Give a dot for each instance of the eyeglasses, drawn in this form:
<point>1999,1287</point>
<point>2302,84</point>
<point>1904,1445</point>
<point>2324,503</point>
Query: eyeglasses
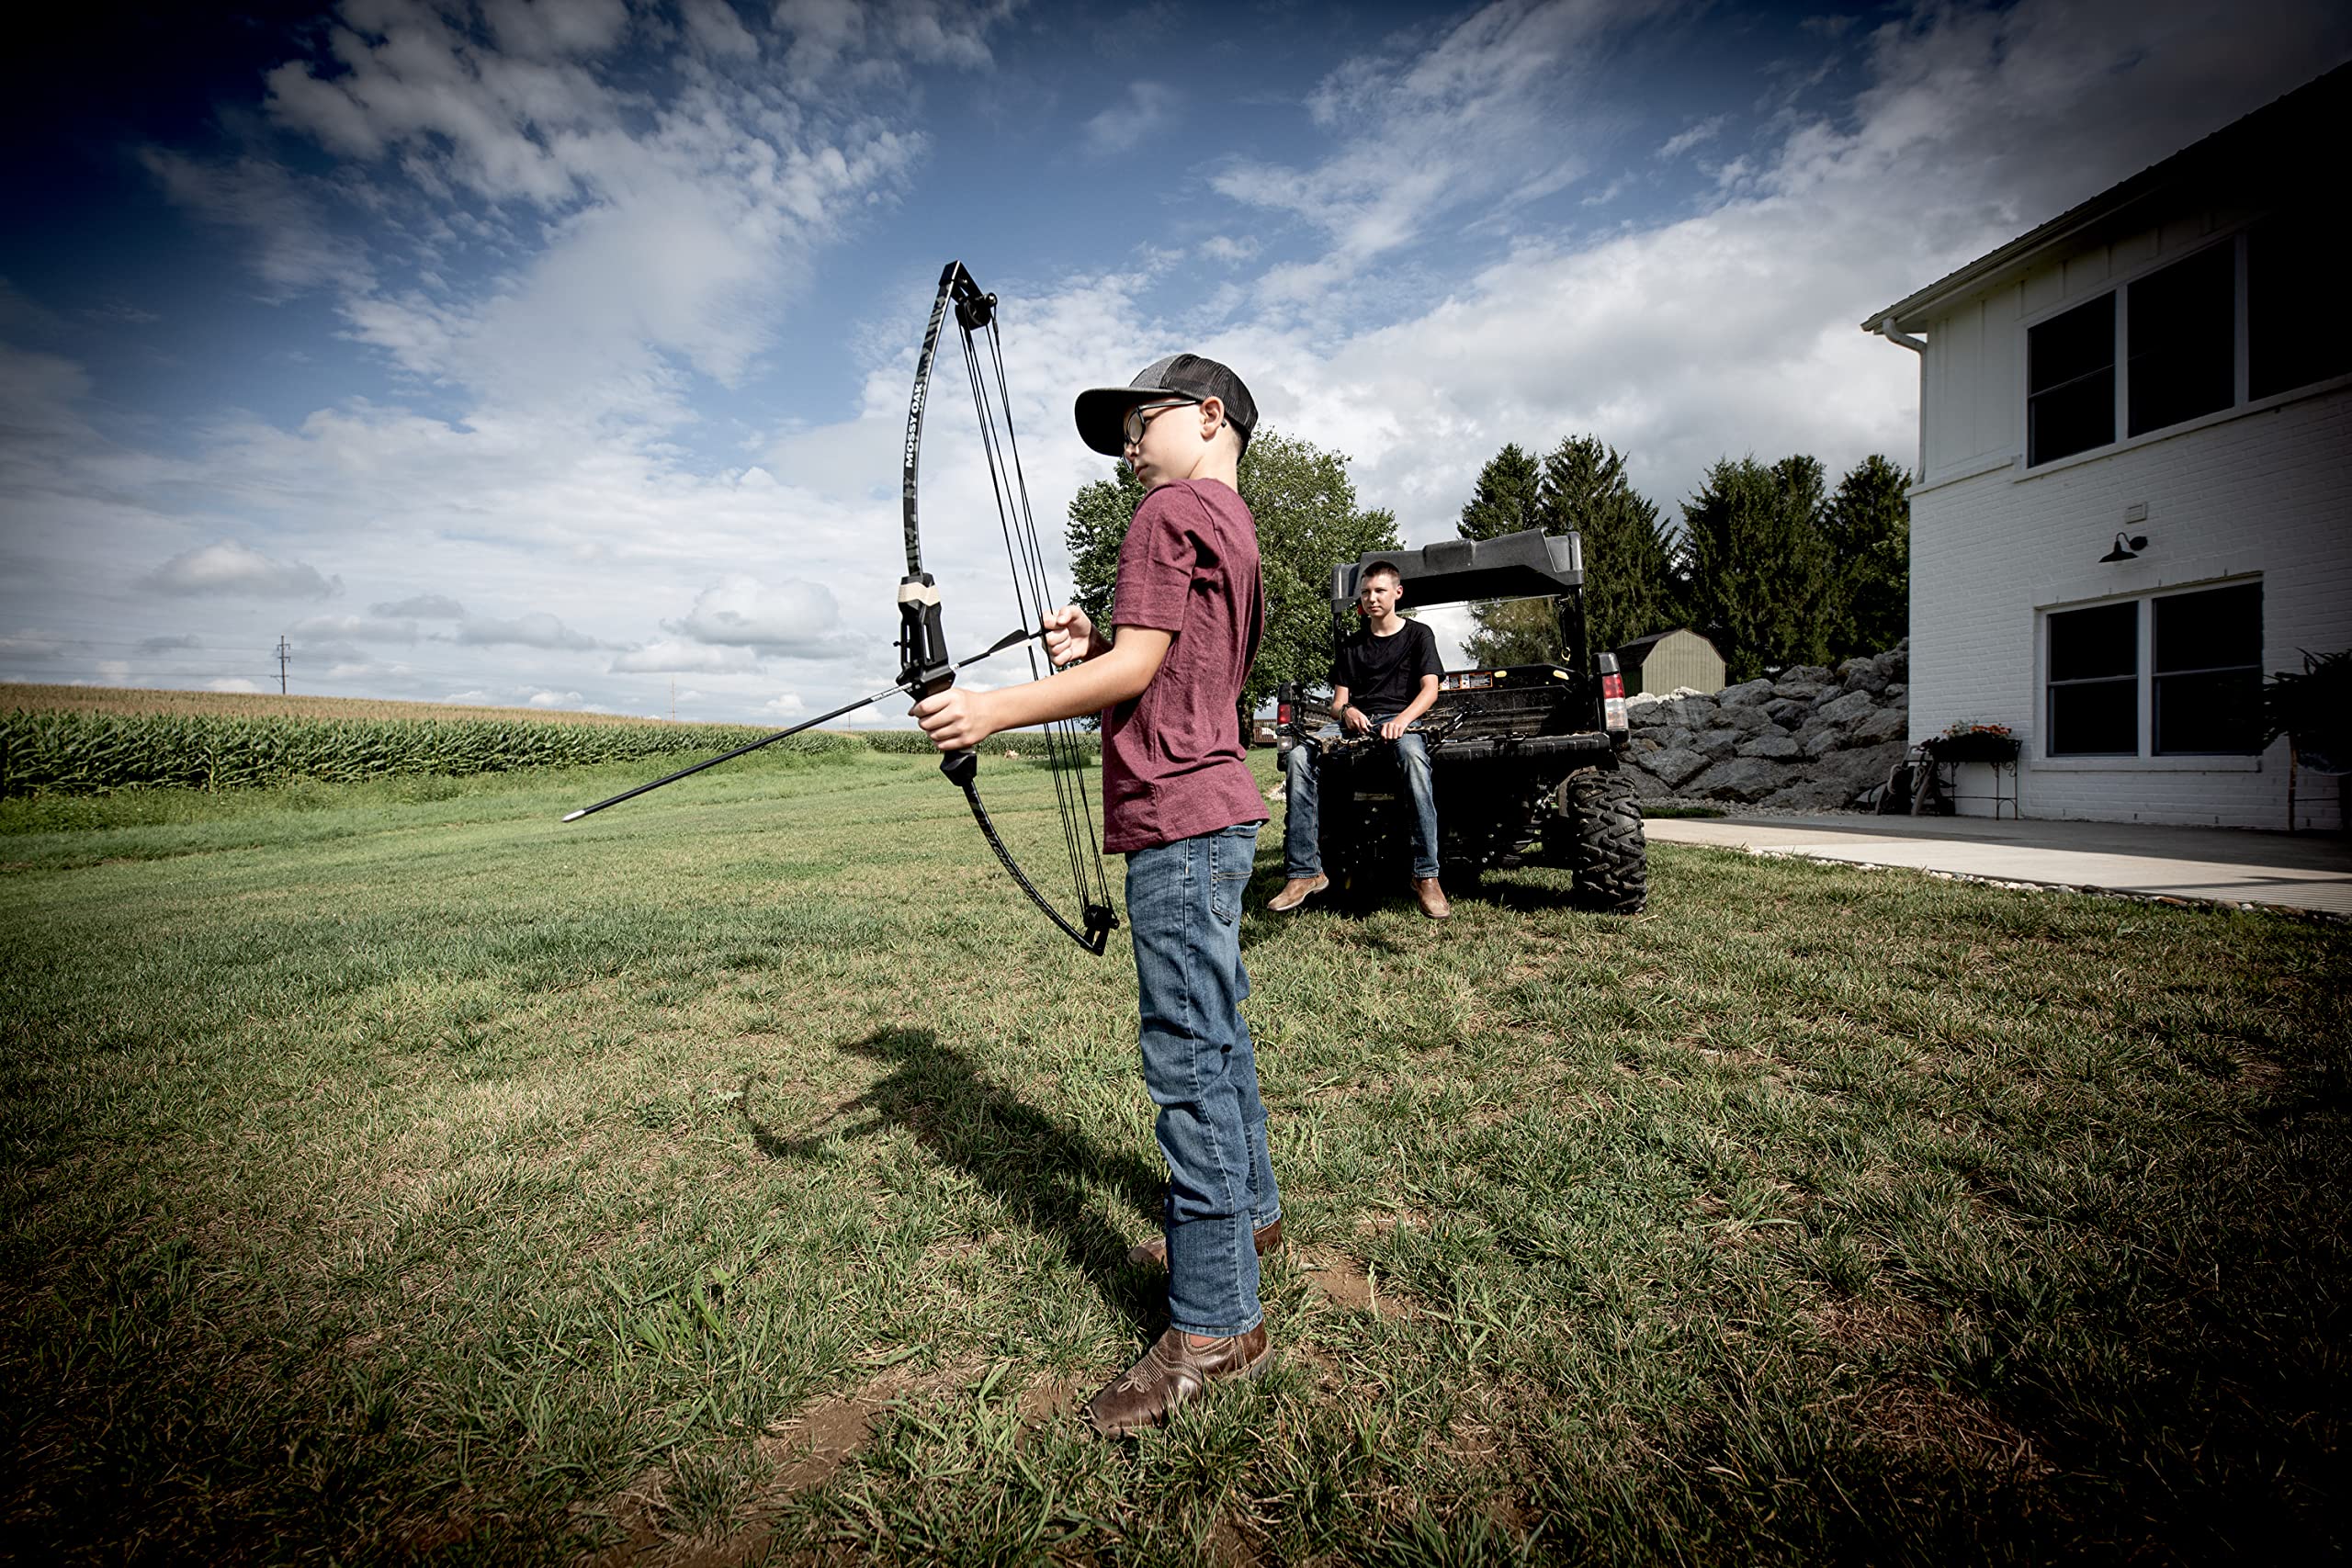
<point>1134,424</point>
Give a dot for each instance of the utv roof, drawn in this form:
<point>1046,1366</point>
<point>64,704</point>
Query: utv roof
<point>1513,566</point>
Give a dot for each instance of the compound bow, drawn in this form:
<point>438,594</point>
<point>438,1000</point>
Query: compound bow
<point>924,666</point>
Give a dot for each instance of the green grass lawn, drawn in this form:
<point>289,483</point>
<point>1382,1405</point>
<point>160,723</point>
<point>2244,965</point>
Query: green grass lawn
<point>746,1173</point>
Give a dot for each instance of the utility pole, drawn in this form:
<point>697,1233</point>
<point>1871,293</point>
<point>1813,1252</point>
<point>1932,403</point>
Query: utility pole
<point>673,699</point>
<point>284,653</point>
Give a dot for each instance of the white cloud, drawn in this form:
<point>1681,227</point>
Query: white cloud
<point>789,618</point>
<point>666,229</point>
<point>1682,141</point>
<point>536,629</point>
<point>421,607</point>
<point>228,567</point>
<point>1147,108</point>
<point>674,656</point>
<point>543,699</point>
<point>294,246</point>
<point>31,644</point>
<point>377,628</point>
<point>1480,113</point>
<point>231,683</point>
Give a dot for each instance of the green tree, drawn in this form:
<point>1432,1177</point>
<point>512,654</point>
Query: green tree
<point>1867,526</point>
<point>1308,522</point>
<point>1759,574</point>
<point>1509,497</point>
<point>1581,486</point>
<point>1628,559</point>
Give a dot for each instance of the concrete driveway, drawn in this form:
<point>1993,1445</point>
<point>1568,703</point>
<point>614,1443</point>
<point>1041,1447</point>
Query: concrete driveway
<point>2238,866</point>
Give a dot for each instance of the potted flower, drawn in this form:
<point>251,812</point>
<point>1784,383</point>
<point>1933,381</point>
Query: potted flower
<point>1971,741</point>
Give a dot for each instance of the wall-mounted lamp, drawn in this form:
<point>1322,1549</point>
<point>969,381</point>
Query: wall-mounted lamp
<point>2127,548</point>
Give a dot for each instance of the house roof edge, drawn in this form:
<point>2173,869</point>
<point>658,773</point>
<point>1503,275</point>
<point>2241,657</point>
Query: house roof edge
<point>2310,103</point>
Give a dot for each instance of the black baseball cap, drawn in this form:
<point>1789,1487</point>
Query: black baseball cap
<point>1103,410</point>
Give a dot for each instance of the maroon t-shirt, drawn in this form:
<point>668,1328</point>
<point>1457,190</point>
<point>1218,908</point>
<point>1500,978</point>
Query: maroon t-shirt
<point>1172,764</point>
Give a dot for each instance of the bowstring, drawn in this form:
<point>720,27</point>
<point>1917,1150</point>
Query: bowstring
<point>1024,553</point>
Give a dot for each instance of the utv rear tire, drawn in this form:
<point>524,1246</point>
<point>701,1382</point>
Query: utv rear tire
<point>1600,830</point>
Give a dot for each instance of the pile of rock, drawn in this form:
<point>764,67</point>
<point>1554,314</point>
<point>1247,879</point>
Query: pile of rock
<point>1814,738</point>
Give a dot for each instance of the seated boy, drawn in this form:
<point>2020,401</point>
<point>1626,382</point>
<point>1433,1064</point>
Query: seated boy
<point>1385,677</point>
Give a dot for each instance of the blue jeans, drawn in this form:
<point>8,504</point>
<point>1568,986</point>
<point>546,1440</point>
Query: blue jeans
<point>1201,1069</point>
<point>1302,823</point>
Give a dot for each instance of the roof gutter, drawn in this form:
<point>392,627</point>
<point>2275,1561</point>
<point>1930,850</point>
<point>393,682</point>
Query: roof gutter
<point>1918,345</point>
<point>1887,330</point>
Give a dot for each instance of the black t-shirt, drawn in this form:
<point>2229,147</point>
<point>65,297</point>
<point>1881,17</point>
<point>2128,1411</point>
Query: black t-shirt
<point>1384,674</point>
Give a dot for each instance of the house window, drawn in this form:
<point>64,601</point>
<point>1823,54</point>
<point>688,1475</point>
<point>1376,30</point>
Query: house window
<point>2192,663</point>
<point>2183,323</point>
<point>2179,329</point>
<point>2207,672</point>
<point>2095,681</point>
<point>2296,332</point>
<point>2070,395</point>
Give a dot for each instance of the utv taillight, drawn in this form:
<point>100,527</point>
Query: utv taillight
<point>1613,694</point>
<point>1281,712</point>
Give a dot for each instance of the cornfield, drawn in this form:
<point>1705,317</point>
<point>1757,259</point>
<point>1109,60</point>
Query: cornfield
<point>89,753</point>
<point>33,698</point>
<point>91,739</point>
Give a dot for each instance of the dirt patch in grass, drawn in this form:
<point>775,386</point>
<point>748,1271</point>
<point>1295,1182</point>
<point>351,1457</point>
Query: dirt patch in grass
<point>802,1454</point>
<point>1871,1324</point>
<point>1918,1418</point>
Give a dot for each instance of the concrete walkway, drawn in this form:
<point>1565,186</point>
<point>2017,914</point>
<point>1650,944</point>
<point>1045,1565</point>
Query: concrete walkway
<point>2298,871</point>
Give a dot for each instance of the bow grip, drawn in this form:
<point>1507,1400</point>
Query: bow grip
<point>924,668</point>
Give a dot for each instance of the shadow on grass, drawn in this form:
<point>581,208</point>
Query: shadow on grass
<point>1045,1172</point>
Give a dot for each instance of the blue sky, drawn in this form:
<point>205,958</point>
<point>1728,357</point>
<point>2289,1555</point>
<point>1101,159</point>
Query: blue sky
<point>521,352</point>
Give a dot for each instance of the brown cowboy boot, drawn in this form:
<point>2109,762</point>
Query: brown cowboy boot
<point>1432,897</point>
<point>1172,1372</point>
<point>1295,892</point>
<point>1153,1254</point>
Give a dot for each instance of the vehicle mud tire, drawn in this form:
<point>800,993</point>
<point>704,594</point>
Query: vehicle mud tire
<point>1598,835</point>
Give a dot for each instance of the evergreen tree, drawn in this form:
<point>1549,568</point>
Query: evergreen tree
<point>1867,525</point>
<point>1509,497</point>
<point>1628,562</point>
<point>1308,522</point>
<point>1759,571</point>
<point>1580,486</point>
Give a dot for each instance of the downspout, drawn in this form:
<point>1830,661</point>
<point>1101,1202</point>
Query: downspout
<point>1918,345</point>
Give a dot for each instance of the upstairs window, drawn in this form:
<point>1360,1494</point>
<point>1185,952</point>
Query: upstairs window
<point>2182,322</point>
<point>2179,327</point>
<point>2070,395</point>
<point>2296,329</point>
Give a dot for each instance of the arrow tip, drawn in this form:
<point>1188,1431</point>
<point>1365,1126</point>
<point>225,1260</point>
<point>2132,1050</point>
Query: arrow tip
<point>576,816</point>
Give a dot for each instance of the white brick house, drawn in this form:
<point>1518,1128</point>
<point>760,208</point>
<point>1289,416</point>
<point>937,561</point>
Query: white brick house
<point>2167,366</point>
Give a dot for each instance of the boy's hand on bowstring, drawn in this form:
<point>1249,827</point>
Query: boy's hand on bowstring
<point>1070,636</point>
<point>955,719</point>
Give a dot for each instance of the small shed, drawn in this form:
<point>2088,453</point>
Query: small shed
<point>1664,661</point>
